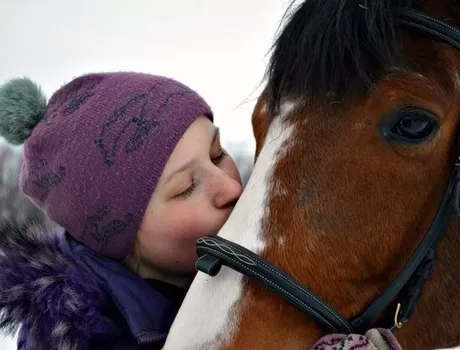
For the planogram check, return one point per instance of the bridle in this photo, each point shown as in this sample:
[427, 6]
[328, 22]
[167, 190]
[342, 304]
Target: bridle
[405, 291]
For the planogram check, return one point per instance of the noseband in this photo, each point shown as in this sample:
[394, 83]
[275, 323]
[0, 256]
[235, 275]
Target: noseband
[405, 291]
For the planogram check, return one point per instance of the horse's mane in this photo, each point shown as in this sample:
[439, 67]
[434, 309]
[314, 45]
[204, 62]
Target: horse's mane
[327, 44]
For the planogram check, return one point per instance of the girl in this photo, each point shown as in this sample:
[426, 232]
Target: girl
[131, 167]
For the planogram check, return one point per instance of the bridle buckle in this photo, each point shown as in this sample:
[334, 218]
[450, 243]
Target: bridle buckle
[397, 324]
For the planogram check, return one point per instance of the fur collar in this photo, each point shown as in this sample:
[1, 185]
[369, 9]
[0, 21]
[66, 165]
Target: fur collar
[41, 288]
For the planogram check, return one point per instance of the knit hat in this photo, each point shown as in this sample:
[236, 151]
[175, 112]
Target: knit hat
[94, 154]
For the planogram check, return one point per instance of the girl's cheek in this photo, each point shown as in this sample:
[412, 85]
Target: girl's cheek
[189, 223]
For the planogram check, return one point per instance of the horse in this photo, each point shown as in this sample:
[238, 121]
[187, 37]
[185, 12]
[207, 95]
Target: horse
[350, 218]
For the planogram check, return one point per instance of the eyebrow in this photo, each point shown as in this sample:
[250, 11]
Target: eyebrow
[189, 163]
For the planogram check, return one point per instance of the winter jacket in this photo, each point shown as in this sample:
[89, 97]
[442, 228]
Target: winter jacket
[64, 296]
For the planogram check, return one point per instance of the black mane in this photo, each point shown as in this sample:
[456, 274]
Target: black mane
[328, 44]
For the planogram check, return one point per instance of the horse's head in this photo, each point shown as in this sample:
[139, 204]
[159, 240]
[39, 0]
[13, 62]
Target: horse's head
[356, 144]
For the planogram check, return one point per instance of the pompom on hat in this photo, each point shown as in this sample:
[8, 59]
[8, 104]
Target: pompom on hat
[94, 154]
[22, 106]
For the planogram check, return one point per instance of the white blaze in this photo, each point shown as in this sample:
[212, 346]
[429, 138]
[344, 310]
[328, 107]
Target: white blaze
[207, 316]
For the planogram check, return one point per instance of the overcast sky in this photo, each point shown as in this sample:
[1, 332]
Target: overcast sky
[216, 47]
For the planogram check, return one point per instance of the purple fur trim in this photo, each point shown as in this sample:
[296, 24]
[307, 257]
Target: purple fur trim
[55, 299]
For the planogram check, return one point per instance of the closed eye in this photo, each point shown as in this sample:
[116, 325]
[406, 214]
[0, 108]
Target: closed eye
[217, 159]
[186, 193]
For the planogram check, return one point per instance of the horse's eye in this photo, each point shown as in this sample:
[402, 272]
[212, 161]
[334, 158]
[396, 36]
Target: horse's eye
[413, 125]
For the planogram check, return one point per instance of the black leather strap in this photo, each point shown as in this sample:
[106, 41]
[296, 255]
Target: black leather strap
[418, 267]
[214, 252]
[424, 24]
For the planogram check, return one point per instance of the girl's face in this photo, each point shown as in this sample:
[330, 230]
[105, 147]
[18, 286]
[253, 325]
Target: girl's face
[194, 197]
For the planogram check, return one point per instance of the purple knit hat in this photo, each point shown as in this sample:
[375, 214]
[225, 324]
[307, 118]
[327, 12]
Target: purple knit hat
[93, 160]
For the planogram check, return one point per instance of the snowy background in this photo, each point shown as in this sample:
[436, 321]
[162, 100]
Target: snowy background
[218, 48]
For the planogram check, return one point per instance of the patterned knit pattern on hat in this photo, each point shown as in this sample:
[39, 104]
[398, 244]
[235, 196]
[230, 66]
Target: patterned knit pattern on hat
[93, 160]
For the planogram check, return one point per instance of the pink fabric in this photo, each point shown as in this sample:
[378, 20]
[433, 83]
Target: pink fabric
[374, 339]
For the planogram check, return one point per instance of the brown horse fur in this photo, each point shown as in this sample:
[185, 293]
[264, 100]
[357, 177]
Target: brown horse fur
[359, 205]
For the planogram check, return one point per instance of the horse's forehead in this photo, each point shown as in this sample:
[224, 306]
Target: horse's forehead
[256, 193]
